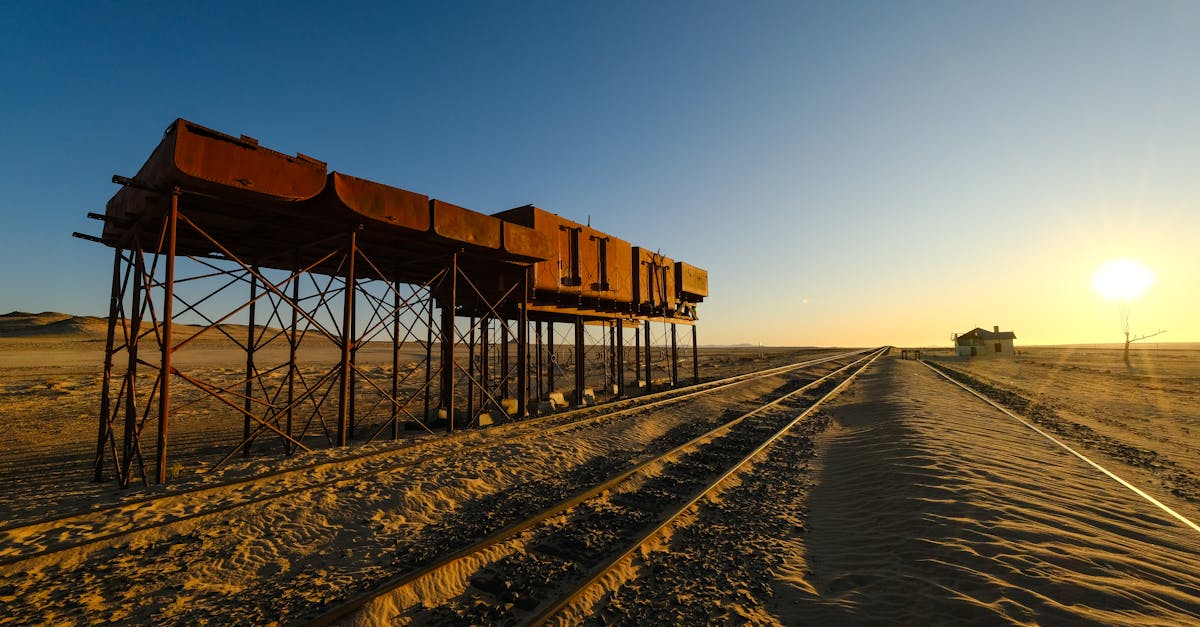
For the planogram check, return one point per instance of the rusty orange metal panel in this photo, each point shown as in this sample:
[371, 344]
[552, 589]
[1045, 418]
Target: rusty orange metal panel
[585, 262]
[198, 158]
[125, 207]
[654, 279]
[526, 243]
[463, 225]
[554, 274]
[383, 203]
[619, 255]
[692, 282]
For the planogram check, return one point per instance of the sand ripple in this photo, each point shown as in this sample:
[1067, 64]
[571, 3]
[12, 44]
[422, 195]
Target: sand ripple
[932, 506]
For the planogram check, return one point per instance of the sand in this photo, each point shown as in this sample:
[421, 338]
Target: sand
[931, 507]
[904, 501]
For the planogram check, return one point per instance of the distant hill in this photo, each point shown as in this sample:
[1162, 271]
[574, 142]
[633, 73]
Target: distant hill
[48, 324]
[23, 324]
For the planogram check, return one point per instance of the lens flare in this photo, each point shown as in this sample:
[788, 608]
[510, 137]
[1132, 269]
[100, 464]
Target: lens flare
[1122, 279]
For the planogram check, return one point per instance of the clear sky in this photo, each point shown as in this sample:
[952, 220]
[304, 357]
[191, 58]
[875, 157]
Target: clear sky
[849, 174]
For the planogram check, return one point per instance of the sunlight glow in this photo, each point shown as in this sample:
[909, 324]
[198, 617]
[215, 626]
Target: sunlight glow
[1122, 279]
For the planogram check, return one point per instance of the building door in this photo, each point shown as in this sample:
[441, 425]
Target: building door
[973, 351]
[998, 349]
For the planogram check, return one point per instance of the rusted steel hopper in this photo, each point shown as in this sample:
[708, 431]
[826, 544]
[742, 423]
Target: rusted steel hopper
[653, 282]
[586, 268]
[277, 210]
[691, 283]
[458, 225]
[231, 181]
[525, 243]
[361, 199]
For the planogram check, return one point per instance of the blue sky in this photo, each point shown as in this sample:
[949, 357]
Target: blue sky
[849, 173]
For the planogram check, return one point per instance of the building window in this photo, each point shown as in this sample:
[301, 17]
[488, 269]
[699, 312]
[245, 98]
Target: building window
[998, 348]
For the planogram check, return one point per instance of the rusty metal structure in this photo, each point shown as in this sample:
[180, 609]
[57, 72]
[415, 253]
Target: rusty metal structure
[218, 237]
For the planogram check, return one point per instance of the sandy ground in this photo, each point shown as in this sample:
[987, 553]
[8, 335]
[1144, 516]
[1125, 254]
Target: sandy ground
[905, 501]
[50, 381]
[929, 506]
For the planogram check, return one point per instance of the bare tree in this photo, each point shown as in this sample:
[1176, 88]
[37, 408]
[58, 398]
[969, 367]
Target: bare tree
[1125, 328]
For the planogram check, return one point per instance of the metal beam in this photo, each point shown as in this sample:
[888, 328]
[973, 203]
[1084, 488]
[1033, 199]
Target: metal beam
[580, 362]
[347, 344]
[168, 344]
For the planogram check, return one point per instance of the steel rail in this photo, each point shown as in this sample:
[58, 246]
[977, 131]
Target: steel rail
[597, 575]
[1150, 499]
[354, 604]
[523, 429]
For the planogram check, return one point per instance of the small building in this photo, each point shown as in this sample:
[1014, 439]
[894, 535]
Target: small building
[981, 343]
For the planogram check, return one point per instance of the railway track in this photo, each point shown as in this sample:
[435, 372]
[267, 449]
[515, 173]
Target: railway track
[981, 393]
[533, 569]
[44, 538]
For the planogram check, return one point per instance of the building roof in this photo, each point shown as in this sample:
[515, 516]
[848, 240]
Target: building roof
[983, 334]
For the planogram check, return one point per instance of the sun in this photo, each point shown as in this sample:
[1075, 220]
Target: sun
[1122, 279]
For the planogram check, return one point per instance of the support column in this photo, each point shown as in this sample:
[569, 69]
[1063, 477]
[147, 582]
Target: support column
[135, 331]
[620, 351]
[637, 355]
[293, 344]
[649, 369]
[523, 349]
[395, 360]
[695, 358]
[164, 391]
[610, 378]
[674, 358]
[114, 309]
[504, 371]
[580, 361]
[345, 392]
[353, 324]
[448, 333]
[248, 390]
[471, 365]
[428, 354]
[485, 329]
[540, 377]
[551, 361]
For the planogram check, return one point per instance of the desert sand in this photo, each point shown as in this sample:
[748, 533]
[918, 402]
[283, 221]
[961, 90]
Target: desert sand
[905, 500]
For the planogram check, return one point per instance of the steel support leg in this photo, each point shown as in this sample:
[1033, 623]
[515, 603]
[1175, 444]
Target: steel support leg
[114, 308]
[637, 354]
[611, 380]
[485, 329]
[523, 351]
[649, 369]
[249, 387]
[695, 358]
[448, 334]
[504, 387]
[347, 345]
[580, 361]
[164, 392]
[552, 360]
[395, 360]
[620, 350]
[540, 377]
[353, 324]
[471, 365]
[135, 331]
[293, 344]
[674, 358]
[428, 354]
